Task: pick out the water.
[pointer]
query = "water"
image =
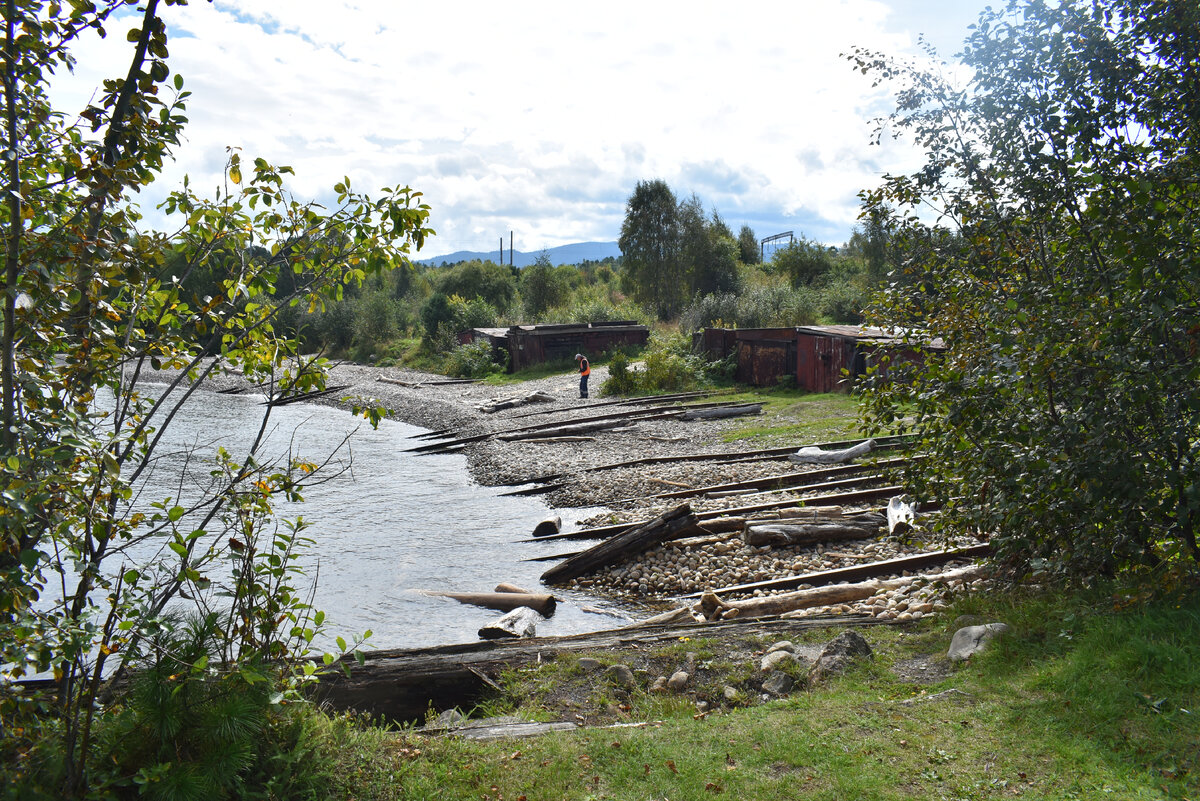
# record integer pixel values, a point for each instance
(390, 525)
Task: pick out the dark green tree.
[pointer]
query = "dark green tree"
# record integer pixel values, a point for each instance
(485, 280)
(1064, 418)
(543, 286)
(748, 250)
(803, 261)
(649, 245)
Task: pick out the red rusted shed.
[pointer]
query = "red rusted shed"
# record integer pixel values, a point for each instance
(824, 358)
(527, 345)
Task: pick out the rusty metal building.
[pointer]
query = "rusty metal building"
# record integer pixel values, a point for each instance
(527, 345)
(815, 356)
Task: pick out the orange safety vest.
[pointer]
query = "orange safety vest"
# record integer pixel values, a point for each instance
(584, 367)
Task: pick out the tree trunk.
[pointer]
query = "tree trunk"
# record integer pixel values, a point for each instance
(723, 412)
(782, 534)
(679, 522)
(814, 455)
(504, 601)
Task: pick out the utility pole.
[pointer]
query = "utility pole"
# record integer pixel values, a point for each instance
(510, 250)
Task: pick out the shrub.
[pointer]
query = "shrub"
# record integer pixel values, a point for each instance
(472, 360)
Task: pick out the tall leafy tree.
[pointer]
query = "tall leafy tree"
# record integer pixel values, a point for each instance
(748, 250)
(91, 305)
(1064, 418)
(649, 245)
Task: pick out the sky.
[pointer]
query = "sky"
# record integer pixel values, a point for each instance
(541, 117)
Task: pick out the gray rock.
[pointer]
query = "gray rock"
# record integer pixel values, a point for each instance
(659, 685)
(842, 651)
(678, 681)
(589, 664)
(775, 660)
(731, 694)
(621, 675)
(973, 639)
(451, 717)
(784, 645)
(778, 683)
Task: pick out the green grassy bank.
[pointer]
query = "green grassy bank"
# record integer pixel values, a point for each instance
(1083, 700)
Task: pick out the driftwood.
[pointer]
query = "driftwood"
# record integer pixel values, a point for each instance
(886, 567)
(520, 622)
(402, 685)
(801, 599)
(506, 587)
(504, 601)
(722, 412)
(567, 430)
(557, 439)
(779, 535)
(681, 615)
(679, 522)
(797, 479)
(550, 525)
(901, 515)
(498, 404)
(814, 455)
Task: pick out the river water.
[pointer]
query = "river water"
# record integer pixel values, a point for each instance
(389, 525)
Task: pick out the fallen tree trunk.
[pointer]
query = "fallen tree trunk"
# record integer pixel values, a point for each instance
(518, 400)
(814, 455)
(678, 522)
(402, 685)
(543, 603)
(780, 535)
(504, 586)
(721, 412)
(801, 599)
(567, 430)
(520, 622)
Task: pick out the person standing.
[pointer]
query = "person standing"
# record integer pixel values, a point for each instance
(585, 369)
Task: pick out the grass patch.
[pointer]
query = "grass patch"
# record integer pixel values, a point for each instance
(1081, 701)
(792, 415)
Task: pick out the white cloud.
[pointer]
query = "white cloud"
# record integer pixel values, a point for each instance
(541, 116)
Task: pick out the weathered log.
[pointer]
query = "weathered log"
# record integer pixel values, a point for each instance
(781, 534)
(814, 455)
(506, 587)
(533, 440)
(901, 515)
(504, 601)
(402, 685)
(550, 525)
(499, 404)
(803, 599)
(860, 572)
(567, 430)
(520, 622)
(678, 522)
(722, 412)
(682, 614)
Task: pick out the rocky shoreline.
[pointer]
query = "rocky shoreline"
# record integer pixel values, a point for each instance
(675, 568)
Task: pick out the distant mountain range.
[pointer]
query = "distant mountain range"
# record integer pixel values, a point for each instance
(563, 254)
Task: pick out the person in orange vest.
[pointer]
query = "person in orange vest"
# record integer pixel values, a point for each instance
(585, 369)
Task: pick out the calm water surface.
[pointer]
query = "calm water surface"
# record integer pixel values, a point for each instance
(389, 525)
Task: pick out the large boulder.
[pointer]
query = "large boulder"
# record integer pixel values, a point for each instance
(970, 640)
(842, 651)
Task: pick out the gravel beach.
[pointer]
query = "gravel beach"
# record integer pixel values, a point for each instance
(665, 572)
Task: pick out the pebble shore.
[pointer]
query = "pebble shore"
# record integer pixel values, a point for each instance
(674, 569)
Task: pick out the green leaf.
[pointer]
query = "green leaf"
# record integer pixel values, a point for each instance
(175, 513)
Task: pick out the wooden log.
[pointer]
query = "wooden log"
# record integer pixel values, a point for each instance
(814, 455)
(506, 587)
(566, 430)
(800, 478)
(520, 622)
(860, 572)
(401, 685)
(682, 614)
(781, 535)
(504, 601)
(678, 522)
(722, 412)
(901, 515)
(550, 525)
(499, 404)
(803, 599)
(532, 440)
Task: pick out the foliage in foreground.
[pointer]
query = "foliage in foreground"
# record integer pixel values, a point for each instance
(1064, 417)
(1089, 698)
(94, 575)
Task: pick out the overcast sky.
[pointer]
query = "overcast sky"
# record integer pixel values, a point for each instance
(540, 117)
